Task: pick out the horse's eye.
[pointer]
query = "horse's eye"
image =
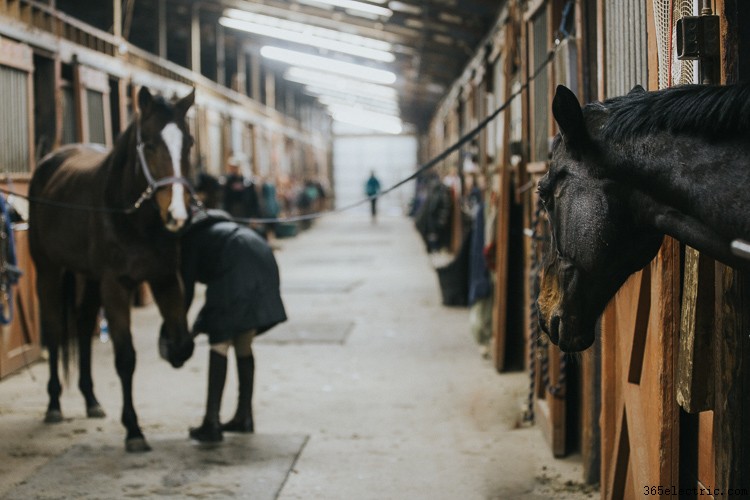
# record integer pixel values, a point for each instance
(190, 140)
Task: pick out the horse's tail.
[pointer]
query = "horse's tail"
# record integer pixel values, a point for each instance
(69, 330)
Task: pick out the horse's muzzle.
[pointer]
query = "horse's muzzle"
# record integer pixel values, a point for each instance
(176, 353)
(570, 336)
(174, 224)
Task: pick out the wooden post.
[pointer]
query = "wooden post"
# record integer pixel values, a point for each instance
(79, 102)
(731, 435)
(58, 104)
(221, 54)
(255, 75)
(732, 379)
(117, 18)
(254, 162)
(161, 34)
(270, 83)
(502, 249)
(240, 82)
(694, 384)
(195, 39)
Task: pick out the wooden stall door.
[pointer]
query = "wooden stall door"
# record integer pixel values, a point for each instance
(20, 343)
(719, 374)
(500, 333)
(640, 418)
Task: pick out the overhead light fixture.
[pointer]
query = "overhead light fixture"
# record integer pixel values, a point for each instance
(366, 119)
(352, 6)
(404, 7)
(326, 87)
(339, 83)
(385, 105)
(328, 65)
(328, 98)
(307, 34)
(306, 39)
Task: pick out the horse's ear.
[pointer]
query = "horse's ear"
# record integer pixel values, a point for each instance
(637, 90)
(145, 99)
(569, 116)
(182, 106)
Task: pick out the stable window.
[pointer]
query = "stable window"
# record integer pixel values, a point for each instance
(86, 114)
(92, 88)
(14, 156)
(16, 66)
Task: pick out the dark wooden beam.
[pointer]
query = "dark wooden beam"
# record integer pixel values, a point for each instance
(195, 39)
(161, 32)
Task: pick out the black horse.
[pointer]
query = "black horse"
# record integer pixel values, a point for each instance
(100, 223)
(624, 173)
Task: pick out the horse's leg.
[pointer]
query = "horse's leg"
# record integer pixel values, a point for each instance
(54, 388)
(88, 312)
(50, 292)
(169, 296)
(116, 302)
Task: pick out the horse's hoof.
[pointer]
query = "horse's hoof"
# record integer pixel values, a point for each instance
(95, 411)
(136, 445)
(53, 417)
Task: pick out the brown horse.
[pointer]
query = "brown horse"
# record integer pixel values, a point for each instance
(100, 223)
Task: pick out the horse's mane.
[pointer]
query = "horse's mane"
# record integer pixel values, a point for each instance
(706, 111)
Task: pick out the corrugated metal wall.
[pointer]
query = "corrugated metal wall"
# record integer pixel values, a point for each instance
(626, 45)
(14, 122)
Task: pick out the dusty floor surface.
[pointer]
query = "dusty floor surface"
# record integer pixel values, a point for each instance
(372, 390)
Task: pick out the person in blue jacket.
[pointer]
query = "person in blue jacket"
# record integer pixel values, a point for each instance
(372, 189)
(242, 301)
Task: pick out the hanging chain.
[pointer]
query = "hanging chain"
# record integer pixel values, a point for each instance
(538, 343)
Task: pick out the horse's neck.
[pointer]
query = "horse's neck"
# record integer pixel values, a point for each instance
(702, 184)
(124, 185)
(120, 170)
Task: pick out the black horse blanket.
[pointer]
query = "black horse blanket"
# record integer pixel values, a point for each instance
(240, 273)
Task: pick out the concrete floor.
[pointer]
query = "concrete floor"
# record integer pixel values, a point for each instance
(372, 390)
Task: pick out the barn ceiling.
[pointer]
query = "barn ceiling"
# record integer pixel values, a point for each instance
(431, 41)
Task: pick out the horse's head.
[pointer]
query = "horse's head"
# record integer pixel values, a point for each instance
(164, 143)
(596, 242)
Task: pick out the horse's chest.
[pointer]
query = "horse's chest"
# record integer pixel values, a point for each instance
(138, 262)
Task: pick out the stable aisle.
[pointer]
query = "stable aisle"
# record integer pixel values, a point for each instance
(371, 390)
